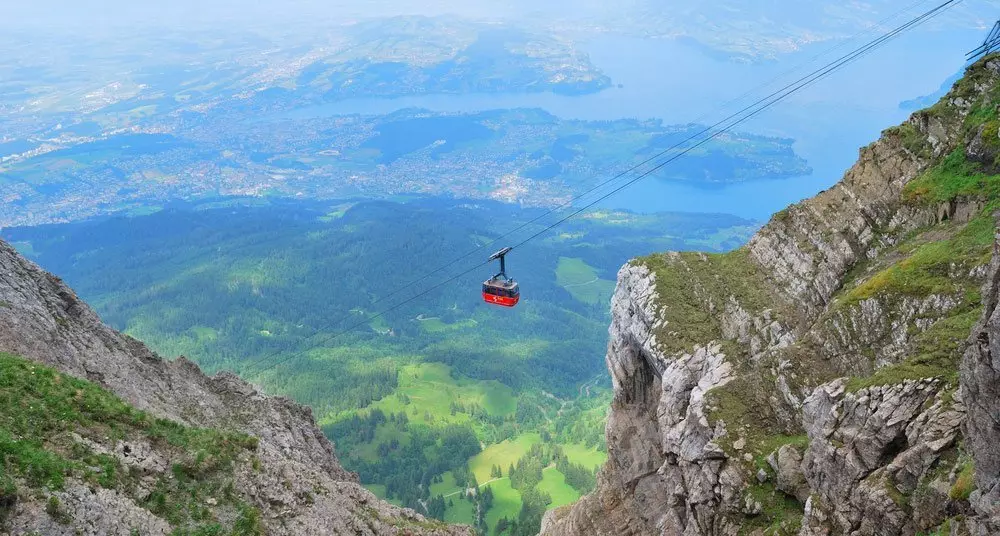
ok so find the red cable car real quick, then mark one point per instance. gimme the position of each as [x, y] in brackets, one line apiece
[500, 289]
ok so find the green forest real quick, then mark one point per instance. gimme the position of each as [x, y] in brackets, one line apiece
[463, 411]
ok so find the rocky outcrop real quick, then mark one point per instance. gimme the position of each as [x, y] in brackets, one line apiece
[641, 488]
[870, 449]
[811, 246]
[808, 382]
[981, 387]
[296, 483]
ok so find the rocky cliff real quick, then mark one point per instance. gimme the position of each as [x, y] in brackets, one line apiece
[167, 460]
[837, 375]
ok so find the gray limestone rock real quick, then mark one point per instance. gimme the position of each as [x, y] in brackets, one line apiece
[300, 487]
[790, 478]
[876, 454]
[980, 376]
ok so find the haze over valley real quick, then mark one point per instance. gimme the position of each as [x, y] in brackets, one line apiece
[304, 193]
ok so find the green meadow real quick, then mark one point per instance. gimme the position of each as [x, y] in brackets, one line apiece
[506, 503]
[460, 510]
[582, 281]
[503, 454]
[554, 483]
[586, 456]
[447, 487]
[429, 390]
[442, 387]
[436, 325]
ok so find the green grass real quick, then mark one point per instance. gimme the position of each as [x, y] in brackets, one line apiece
[953, 177]
[965, 483]
[911, 138]
[447, 485]
[248, 523]
[781, 514]
[944, 529]
[379, 491]
[718, 240]
[498, 399]
[436, 325]
[336, 213]
[506, 503]
[583, 281]
[41, 408]
[743, 405]
[583, 455]
[384, 434]
[503, 454]
[554, 483]
[380, 325]
[764, 446]
[257, 273]
[936, 354]
[685, 282]
[143, 210]
[204, 334]
[928, 262]
[431, 390]
[462, 511]
[927, 267]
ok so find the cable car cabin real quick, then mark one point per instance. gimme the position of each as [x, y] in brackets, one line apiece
[503, 292]
[500, 289]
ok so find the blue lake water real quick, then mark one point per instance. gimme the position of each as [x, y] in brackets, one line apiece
[682, 83]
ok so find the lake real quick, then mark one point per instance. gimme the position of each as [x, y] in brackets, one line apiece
[680, 83]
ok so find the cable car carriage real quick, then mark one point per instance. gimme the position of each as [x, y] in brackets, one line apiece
[500, 289]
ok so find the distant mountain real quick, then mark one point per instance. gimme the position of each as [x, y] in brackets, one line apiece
[749, 30]
[926, 101]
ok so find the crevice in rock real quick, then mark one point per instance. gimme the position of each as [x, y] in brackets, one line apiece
[893, 448]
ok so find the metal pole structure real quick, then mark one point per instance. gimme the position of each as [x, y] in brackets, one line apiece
[990, 44]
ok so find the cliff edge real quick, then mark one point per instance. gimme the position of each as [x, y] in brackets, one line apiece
[838, 374]
[99, 435]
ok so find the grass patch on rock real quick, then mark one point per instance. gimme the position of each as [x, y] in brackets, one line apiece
[930, 267]
[751, 425]
[954, 176]
[51, 424]
[936, 354]
[912, 139]
[780, 514]
[965, 483]
[693, 288]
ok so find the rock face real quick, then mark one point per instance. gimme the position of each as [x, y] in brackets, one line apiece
[808, 383]
[981, 387]
[297, 485]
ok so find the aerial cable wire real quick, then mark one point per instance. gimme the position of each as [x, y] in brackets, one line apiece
[763, 105]
[660, 154]
[738, 118]
[843, 61]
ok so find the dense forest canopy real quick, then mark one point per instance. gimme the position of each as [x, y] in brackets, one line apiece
[437, 397]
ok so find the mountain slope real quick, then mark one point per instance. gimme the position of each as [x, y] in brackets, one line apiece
[284, 478]
[808, 383]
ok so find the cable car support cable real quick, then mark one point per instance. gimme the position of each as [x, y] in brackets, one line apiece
[753, 110]
[656, 156]
[830, 70]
